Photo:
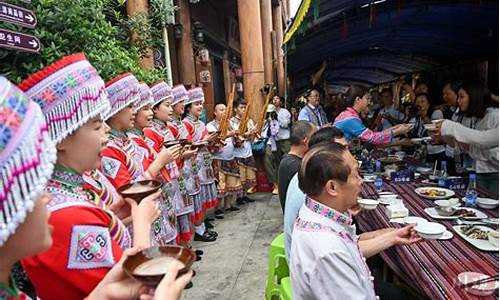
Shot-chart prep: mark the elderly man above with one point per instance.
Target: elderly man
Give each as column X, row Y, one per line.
column 312, row 111
column 326, row 261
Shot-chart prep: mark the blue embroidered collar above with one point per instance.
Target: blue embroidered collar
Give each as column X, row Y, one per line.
column 136, row 132
column 327, row 212
column 158, row 122
column 191, row 118
column 115, row 134
column 67, row 177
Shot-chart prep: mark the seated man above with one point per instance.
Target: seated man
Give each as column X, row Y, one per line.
column 290, row 163
column 325, row 259
column 294, row 197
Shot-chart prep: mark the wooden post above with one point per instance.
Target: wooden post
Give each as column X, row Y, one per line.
column 185, row 46
column 251, row 54
column 266, row 14
column 135, row 7
column 280, row 67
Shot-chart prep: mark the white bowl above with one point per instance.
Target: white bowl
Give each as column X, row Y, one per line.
column 429, row 126
column 400, row 154
column 368, row 204
column 447, row 203
column 485, row 289
column 414, row 220
column 430, row 230
column 387, row 196
column 493, row 237
column 487, row 203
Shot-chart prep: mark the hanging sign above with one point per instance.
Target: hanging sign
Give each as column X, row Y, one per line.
column 17, row 15
column 20, row 41
column 205, row 76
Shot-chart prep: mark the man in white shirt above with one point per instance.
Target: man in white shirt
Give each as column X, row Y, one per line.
column 274, row 152
column 325, row 260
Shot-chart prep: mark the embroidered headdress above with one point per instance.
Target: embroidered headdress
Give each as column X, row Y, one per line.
column 195, row 95
column 70, row 92
column 122, row 91
column 145, row 95
column 161, row 91
column 180, row 94
column 27, row 156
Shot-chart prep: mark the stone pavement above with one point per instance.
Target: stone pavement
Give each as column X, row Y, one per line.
column 235, row 266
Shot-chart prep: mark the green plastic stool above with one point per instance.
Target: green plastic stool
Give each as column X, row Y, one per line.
column 286, row 289
column 277, row 268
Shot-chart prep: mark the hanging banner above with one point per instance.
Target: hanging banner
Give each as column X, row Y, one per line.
column 17, row 15
column 19, row 41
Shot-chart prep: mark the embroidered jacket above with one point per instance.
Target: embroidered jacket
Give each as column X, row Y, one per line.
column 325, row 260
column 351, row 126
column 117, row 162
column 87, row 242
column 197, row 132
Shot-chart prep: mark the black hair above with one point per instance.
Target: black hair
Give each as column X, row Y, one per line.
column 431, row 106
column 386, row 90
column 325, row 134
column 186, row 110
column 353, row 93
column 479, row 99
column 239, row 101
column 300, row 130
column 454, row 85
column 321, row 164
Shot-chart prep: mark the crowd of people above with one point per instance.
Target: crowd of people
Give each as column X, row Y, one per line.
column 70, row 142
column 319, row 181
column 399, row 115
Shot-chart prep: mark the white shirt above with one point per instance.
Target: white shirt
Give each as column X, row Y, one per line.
column 245, row 150
column 226, row 152
column 483, row 138
column 325, row 260
column 486, row 160
column 284, row 118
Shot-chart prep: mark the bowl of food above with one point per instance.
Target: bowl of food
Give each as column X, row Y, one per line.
column 198, row 145
column 368, row 204
column 493, row 237
column 487, row 203
column 483, row 289
column 430, row 230
column 149, row 266
column 434, row 193
column 170, row 144
column 140, row 189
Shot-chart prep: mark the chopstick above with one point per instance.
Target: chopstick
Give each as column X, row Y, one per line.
column 435, row 167
column 480, row 281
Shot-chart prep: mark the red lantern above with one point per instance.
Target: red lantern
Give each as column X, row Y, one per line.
column 238, row 72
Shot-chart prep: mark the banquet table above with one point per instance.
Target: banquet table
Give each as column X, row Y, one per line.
column 430, row 266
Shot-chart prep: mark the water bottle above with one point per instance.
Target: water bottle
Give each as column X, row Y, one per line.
column 379, row 183
column 378, row 167
column 471, row 193
column 442, row 175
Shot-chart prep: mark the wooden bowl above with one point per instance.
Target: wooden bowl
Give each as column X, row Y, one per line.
column 184, row 255
column 148, row 187
column 171, row 143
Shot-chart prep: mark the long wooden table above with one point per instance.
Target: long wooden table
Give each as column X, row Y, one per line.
column 431, row 266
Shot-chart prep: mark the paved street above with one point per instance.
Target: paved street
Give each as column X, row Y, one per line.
column 235, row 266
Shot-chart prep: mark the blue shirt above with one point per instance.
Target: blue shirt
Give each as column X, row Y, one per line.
column 295, row 198
column 314, row 115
